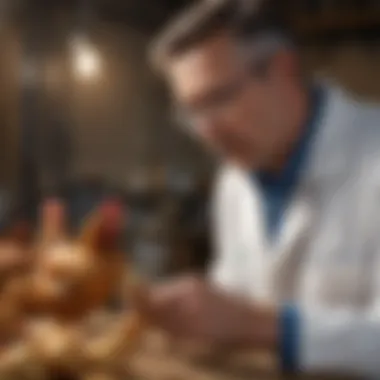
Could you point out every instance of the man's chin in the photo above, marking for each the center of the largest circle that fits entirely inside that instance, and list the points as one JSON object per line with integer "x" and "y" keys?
{"x": 244, "y": 162}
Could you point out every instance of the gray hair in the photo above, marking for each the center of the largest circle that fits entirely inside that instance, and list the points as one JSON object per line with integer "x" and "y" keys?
{"x": 263, "y": 46}
{"x": 255, "y": 24}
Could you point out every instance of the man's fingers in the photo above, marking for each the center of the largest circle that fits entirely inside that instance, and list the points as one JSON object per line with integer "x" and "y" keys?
{"x": 53, "y": 221}
{"x": 163, "y": 306}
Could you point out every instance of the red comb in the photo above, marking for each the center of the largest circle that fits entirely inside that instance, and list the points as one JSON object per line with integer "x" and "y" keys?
{"x": 112, "y": 206}
{"x": 112, "y": 223}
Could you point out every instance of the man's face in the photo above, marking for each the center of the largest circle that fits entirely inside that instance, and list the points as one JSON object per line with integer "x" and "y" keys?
{"x": 233, "y": 111}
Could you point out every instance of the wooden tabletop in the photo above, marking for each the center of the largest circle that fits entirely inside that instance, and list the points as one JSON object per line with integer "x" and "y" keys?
{"x": 157, "y": 359}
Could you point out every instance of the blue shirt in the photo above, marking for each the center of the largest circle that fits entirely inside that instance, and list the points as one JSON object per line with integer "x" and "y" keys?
{"x": 278, "y": 189}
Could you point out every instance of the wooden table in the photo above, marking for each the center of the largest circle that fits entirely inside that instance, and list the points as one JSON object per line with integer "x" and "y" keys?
{"x": 159, "y": 360}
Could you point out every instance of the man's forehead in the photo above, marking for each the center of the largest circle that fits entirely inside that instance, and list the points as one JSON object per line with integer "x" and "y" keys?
{"x": 205, "y": 64}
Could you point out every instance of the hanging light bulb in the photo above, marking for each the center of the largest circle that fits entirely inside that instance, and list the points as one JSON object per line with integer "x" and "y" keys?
{"x": 86, "y": 60}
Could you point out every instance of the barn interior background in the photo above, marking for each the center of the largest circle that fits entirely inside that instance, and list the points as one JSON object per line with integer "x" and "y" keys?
{"x": 82, "y": 114}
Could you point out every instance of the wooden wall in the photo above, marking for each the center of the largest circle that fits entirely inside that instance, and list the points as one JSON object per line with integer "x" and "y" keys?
{"x": 353, "y": 65}
{"x": 121, "y": 125}
{"x": 9, "y": 105}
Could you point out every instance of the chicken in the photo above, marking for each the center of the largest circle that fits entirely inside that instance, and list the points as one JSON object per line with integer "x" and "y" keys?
{"x": 73, "y": 277}
{"x": 15, "y": 253}
{"x": 15, "y": 261}
{"x": 70, "y": 281}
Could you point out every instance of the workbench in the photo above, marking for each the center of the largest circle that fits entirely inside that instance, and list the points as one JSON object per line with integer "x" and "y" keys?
{"x": 157, "y": 359}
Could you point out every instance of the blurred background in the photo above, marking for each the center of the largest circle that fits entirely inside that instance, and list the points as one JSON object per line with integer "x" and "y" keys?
{"x": 83, "y": 116}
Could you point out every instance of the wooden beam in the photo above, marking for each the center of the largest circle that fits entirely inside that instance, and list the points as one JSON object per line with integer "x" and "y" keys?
{"x": 336, "y": 21}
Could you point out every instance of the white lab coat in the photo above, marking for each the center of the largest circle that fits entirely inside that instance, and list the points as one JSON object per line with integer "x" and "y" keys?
{"x": 327, "y": 258}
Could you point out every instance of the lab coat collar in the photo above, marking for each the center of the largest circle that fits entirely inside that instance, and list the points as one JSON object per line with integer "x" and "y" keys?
{"x": 327, "y": 159}
{"x": 276, "y": 264}
{"x": 325, "y": 165}
{"x": 327, "y": 162}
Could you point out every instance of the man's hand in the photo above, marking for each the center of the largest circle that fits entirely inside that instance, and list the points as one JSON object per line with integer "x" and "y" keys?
{"x": 191, "y": 309}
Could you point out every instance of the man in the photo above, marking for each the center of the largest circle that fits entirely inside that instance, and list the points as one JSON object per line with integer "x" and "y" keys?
{"x": 296, "y": 203}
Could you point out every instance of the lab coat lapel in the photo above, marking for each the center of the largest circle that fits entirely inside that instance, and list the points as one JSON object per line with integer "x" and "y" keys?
{"x": 269, "y": 259}
{"x": 252, "y": 239}
{"x": 286, "y": 254}
{"x": 271, "y": 268}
